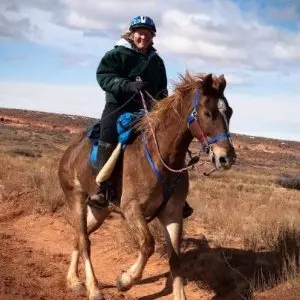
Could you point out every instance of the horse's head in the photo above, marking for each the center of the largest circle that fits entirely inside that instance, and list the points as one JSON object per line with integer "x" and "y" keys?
{"x": 209, "y": 119}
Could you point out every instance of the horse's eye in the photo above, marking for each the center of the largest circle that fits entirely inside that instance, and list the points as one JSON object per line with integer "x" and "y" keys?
{"x": 207, "y": 114}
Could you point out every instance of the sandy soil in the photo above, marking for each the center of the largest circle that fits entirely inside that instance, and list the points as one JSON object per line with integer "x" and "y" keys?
{"x": 34, "y": 257}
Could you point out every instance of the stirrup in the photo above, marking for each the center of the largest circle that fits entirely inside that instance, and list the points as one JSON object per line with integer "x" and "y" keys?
{"x": 97, "y": 203}
{"x": 102, "y": 198}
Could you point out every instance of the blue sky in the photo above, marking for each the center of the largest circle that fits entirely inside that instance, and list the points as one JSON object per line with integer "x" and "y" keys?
{"x": 50, "y": 49}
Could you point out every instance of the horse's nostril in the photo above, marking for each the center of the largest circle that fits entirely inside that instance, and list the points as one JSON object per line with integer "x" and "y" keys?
{"x": 223, "y": 161}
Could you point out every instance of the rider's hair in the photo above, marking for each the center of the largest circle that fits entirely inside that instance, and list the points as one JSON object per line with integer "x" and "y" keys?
{"x": 128, "y": 36}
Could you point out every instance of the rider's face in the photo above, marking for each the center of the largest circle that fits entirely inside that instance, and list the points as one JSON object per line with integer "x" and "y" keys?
{"x": 142, "y": 38}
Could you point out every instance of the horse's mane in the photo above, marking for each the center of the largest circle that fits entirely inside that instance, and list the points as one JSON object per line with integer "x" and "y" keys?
{"x": 176, "y": 101}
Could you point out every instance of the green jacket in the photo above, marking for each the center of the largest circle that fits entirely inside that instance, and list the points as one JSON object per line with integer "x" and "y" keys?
{"x": 124, "y": 64}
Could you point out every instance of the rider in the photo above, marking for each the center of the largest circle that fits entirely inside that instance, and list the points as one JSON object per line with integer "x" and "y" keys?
{"x": 130, "y": 68}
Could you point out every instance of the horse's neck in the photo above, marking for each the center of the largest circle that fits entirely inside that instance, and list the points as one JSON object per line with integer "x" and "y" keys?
{"x": 173, "y": 140}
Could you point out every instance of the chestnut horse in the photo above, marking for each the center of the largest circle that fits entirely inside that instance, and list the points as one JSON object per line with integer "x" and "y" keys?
{"x": 193, "y": 110}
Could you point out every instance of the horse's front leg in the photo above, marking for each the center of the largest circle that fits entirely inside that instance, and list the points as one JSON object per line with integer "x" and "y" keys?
{"x": 171, "y": 219}
{"x": 139, "y": 228}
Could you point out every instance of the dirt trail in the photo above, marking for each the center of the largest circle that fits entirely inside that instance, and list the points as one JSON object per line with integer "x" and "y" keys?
{"x": 34, "y": 256}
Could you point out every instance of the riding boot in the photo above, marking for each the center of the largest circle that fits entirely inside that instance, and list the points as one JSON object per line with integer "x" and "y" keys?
{"x": 187, "y": 210}
{"x": 99, "y": 199}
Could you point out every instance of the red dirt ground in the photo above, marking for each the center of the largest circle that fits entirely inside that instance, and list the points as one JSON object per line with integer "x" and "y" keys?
{"x": 34, "y": 257}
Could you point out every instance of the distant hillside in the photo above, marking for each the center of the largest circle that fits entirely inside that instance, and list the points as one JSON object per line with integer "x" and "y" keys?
{"x": 75, "y": 123}
{"x": 42, "y": 119}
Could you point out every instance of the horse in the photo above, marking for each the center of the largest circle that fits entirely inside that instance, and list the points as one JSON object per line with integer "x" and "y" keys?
{"x": 191, "y": 111}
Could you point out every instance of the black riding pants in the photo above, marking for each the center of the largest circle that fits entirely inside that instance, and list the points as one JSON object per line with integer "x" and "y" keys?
{"x": 110, "y": 115}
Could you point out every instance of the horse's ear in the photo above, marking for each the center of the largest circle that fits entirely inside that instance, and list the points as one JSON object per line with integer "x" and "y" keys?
{"x": 222, "y": 84}
{"x": 207, "y": 83}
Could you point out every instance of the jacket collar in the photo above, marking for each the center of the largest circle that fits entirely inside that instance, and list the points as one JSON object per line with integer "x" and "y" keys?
{"x": 125, "y": 43}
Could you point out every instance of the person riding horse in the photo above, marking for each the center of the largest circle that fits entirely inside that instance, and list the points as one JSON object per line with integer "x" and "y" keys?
{"x": 132, "y": 58}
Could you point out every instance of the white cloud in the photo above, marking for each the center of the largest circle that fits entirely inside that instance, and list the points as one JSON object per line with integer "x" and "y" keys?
{"x": 76, "y": 20}
{"x": 217, "y": 31}
{"x": 236, "y": 79}
{"x": 69, "y": 60}
{"x": 276, "y": 115}
{"x": 278, "y": 108}
{"x": 11, "y": 26}
{"x": 69, "y": 99}
{"x": 288, "y": 52}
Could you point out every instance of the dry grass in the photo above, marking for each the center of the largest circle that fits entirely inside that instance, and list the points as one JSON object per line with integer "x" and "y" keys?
{"x": 245, "y": 220}
{"x": 29, "y": 171}
{"x": 246, "y": 208}
{"x": 33, "y": 184}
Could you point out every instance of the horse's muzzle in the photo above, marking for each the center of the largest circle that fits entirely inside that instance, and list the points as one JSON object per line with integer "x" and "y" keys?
{"x": 223, "y": 162}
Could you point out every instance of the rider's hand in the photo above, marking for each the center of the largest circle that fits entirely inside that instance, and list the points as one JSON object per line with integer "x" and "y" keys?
{"x": 136, "y": 86}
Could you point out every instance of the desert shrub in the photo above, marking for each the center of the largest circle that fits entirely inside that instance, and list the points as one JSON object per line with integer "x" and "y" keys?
{"x": 289, "y": 181}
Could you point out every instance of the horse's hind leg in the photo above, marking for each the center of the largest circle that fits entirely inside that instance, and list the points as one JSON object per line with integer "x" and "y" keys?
{"x": 82, "y": 244}
{"x": 73, "y": 281}
{"x": 139, "y": 228}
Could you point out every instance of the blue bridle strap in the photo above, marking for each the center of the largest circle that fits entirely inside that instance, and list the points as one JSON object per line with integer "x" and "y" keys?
{"x": 167, "y": 188}
{"x": 222, "y": 136}
{"x": 151, "y": 162}
{"x": 193, "y": 117}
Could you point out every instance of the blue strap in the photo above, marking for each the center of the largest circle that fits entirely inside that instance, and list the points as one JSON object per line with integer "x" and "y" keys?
{"x": 167, "y": 190}
{"x": 222, "y": 136}
{"x": 191, "y": 118}
{"x": 193, "y": 115}
{"x": 94, "y": 153}
{"x": 151, "y": 162}
{"x": 196, "y": 99}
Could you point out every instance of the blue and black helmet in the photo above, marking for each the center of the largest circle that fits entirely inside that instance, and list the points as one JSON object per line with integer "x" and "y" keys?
{"x": 142, "y": 21}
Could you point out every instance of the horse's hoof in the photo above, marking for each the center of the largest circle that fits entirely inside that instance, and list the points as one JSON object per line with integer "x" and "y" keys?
{"x": 124, "y": 282}
{"x": 78, "y": 288}
{"x": 97, "y": 296}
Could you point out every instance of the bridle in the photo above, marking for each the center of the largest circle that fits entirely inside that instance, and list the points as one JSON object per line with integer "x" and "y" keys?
{"x": 195, "y": 127}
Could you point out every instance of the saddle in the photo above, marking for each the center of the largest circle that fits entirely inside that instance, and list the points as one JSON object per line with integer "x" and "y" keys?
{"x": 127, "y": 134}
